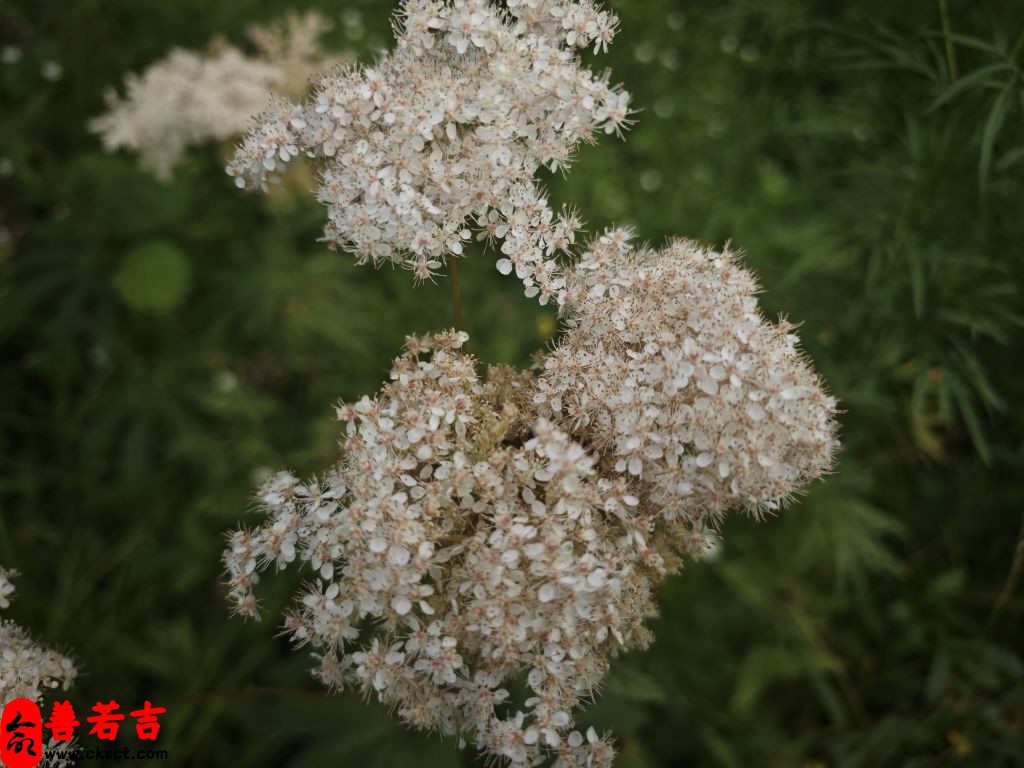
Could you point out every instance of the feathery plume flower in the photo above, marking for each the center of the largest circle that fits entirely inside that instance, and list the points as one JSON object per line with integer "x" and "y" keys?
{"x": 27, "y": 669}
{"x": 670, "y": 370}
{"x": 189, "y": 98}
{"x": 460, "y": 543}
{"x": 446, "y": 132}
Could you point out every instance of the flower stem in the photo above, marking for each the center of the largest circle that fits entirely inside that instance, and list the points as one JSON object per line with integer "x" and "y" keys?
{"x": 1017, "y": 47}
{"x": 1011, "y": 580}
{"x": 453, "y": 270}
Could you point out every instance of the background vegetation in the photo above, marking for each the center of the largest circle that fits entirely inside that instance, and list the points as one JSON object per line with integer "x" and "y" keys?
{"x": 165, "y": 344}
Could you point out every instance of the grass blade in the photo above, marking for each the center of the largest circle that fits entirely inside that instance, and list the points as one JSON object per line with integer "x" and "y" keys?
{"x": 978, "y": 77}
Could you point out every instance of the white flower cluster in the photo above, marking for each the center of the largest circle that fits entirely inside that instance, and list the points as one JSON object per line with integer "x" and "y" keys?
{"x": 483, "y": 536}
{"x": 670, "y": 369}
{"x": 465, "y": 540}
{"x": 461, "y": 543}
{"x": 446, "y": 133}
{"x": 190, "y": 98}
{"x": 27, "y": 669}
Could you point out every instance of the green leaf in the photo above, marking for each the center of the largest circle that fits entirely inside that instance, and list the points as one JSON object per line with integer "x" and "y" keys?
{"x": 767, "y": 664}
{"x": 917, "y": 282}
{"x": 971, "y": 418}
{"x": 1011, "y": 158}
{"x": 635, "y": 685}
{"x": 938, "y": 675}
{"x": 978, "y": 77}
{"x": 970, "y": 42}
{"x": 947, "y": 584}
{"x": 992, "y": 127}
{"x": 854, "y": 535}
{"x": 154, "y": 278}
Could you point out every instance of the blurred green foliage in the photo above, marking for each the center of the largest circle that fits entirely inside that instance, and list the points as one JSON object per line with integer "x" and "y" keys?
{"x": 164, "y": 344}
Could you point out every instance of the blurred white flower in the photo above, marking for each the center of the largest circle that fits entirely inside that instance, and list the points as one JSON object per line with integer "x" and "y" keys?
{"x": 52, "y": 71}
{"x": 189, "y": 98}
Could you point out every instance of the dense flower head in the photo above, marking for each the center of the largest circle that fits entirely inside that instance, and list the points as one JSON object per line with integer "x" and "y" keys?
{"x": 479, "y": 531}
{"x": 27, "y": 669}
{"x": 669, "y": 369}
{"x": 188, "y": 98}
{"x": 444, "y": 135}
{"x": 460, "y": 544}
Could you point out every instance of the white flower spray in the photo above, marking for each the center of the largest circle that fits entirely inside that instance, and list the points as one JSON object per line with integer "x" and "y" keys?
{"x": 446, "y": 133}
{"x": 488, "y": 543}
{"x": 190, "y": 98}
{"x": 26, "y": 669}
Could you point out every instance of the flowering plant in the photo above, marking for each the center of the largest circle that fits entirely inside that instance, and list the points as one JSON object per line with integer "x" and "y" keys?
{"x": 488, "y": 533}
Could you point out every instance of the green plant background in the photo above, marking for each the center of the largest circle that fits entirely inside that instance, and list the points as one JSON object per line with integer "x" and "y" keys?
{"x": 164, "y": 344}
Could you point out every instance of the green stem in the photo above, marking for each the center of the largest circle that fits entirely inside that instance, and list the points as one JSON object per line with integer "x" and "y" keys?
{"x": 1017, "y": 47}
{"x": 1016, "y": 567}
{"x": 453, "y": 269}
{"x": 947, "y": 31}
